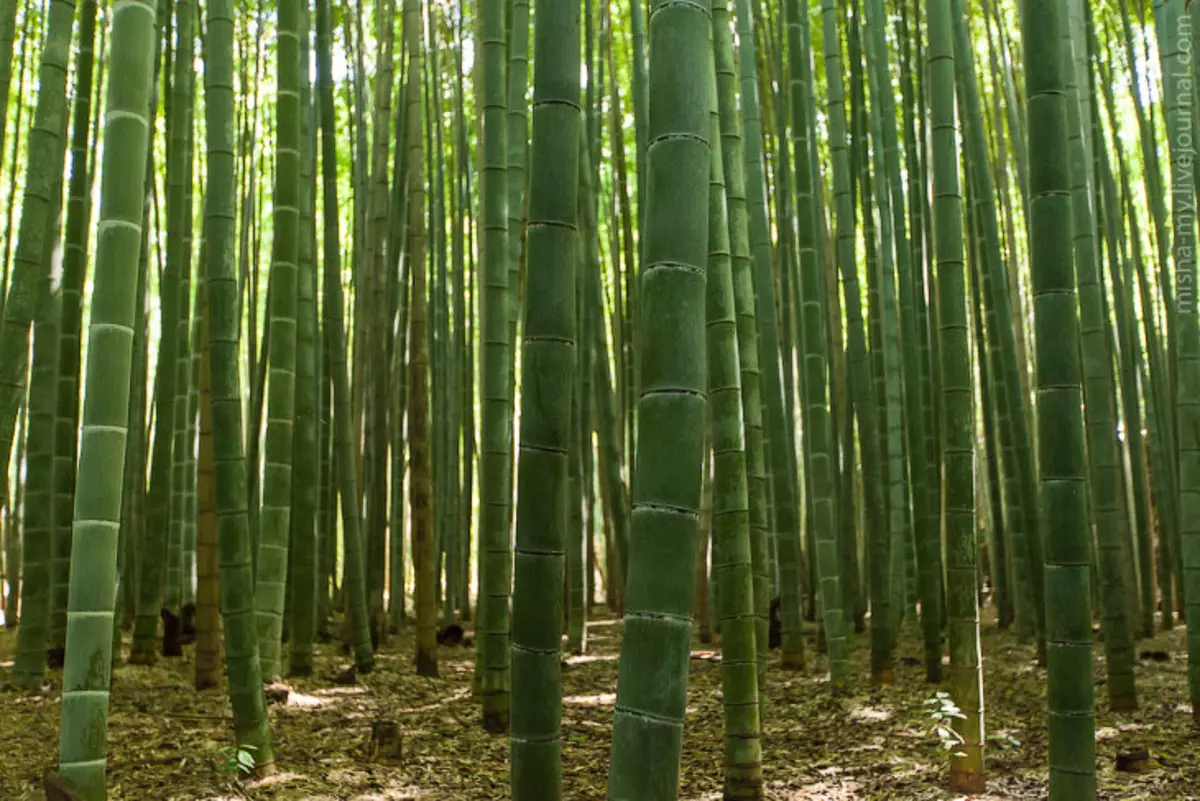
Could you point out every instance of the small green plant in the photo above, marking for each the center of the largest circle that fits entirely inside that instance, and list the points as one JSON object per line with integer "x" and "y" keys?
{"x": 236, "y": 760}
{"x": 942, "y": 711}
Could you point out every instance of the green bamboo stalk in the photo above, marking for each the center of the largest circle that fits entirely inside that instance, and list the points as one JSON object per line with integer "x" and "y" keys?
{"x": 179, "y": 224}
{"x": 154, "y": 551}
{"x": 424, "y": 547}
{"x": 786, "y": 529}
{"x": 847, "y": 160}
{"x": 67, "y": 396}
{"x": 1103, "y": 475}
{"x": 305, "y": 481}
{"x": 958, "y": 427}
{"x": 37, "y": 588}
{"x": 902, "y": 403}
{"x": 652, "y": 684}
{"x": 734, "y": 170}
{"x": 814, "y": 380}
{"x": 8, "y": 32}
{"x": 581, "y": 455}
{"x": 354, "y": 586}
{"x": 548, "y": 357}
{"x": 501, "y": 186}
{"x": 105, "y": 414}
{"x": 251, "y": 727}
{"x": 732, "y": 561}
{"x": 275, "y": 515}
{"x": 208, "y": 560}
{"x": 36, "y": 233}
{"x": 1063, "y": 499}
{"x": 1024, "y": 521}
{"x": 1185, "y": 341}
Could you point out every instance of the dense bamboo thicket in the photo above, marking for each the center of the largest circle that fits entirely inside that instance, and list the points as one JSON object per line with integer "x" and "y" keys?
{"x": 661, "y": 333}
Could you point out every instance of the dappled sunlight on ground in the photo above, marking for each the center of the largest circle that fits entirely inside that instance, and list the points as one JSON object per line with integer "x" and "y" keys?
{"x": 870, "y": 713}
{"x": 584, "y": 659}
{"x": 328, "y": 691}
{"x": 600, "y": 699}
{"x": 165, "y": 739}
{"x": 306, "y": 701}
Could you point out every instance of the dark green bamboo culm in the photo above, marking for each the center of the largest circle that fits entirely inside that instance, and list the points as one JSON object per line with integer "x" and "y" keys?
{"x": 499, "y": 242}
{"x": 652, "y": 681}
{"x": 67, "y": 395}
{"x": 34, "y": 638}
{"x": 1187, "y": 397}
{"x": 44, "y": 157}
{"x": 28, "y": 295}
{"x": 250, "y": 724}
{"x": 178, "y": 360}
{"x": 548, "y": 378}
{"x": 424, "y": 547}
{"x": 1063, "y": 486}
{"x": 155, "y": 553}
{"x": 583, "y": 523}
{"x": 305, "y": 481}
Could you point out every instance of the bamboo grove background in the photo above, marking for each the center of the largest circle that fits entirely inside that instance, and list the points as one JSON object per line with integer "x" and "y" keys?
{"x": 321, "y": 320}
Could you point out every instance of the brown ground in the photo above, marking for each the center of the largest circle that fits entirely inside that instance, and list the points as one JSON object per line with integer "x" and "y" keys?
{"x": 165, "y": 739}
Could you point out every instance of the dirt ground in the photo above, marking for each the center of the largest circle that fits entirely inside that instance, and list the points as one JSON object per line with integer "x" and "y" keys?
{"x": 166, "y": 740}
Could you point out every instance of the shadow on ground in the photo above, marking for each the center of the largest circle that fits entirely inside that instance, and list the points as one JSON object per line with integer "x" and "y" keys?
{"x": 165, "y": 739}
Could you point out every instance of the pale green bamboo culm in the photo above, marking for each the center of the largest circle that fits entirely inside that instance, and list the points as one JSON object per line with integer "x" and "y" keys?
{"x": 734, "y": 172}
{"x": 958, "y": 405}
{"x": 814, "y": 364}
{"x": 354, "y": 587}
{"x": 275, "y": 517}
{"x": 1104, "y": 479}
{"x": 83, "y": 741}
{"x": 786, "y": 525}
{"x": 732, "y": 560}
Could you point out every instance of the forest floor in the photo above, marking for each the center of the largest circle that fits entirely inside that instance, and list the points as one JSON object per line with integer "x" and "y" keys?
{"x": 166, "y": 740}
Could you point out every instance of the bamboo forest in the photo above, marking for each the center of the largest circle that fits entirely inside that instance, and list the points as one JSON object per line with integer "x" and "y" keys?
{"x": 641, "y": 400}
